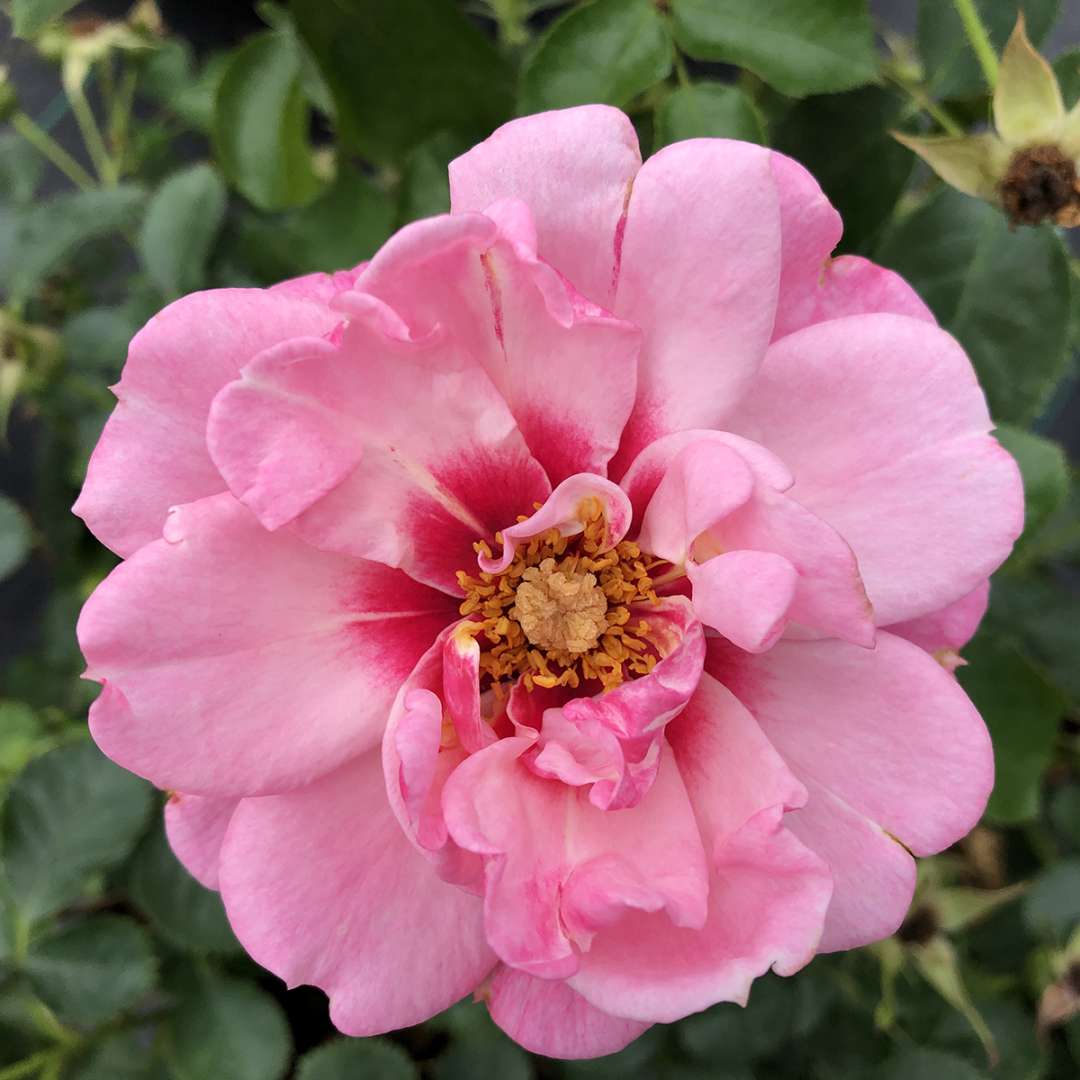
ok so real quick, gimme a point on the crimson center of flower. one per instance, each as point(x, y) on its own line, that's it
point(560, 612)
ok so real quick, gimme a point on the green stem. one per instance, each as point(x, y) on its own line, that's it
point(120, 116)
point(28, 1066)
point(91, 133)
point(680, 70)
point(928, 105)
point(511, 15)
point(979, 39)
point(50, 149)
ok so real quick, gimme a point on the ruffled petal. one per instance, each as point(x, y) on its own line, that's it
point(574, 169)
point(768, 895)
point(547, 1017)
point(558, 868)
point(152, 454)
point(237, 661)
point(815, 287)
point(755, 557)
point(873, 874)
point(321, 886)
point(195, 826)
point(948, 630)
point(887, 731)
point(700, 266)
point(567, 368)
point(379, 446)
point(899, 462)
point(567, 509)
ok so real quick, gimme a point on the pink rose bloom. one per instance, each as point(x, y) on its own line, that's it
point(560, 607)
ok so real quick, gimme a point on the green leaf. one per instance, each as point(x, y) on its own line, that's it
point(478, 1047)
point(124, 1055)
point(261, 124)
point(1052, 905)
point(96, 339)
point(1065, 814)
point(69, 813)
point(798, 47)
point(29, 16)
point(20, 735)
point(726, 1035)
point(93, 970)
point(710, 110)
point(401, 72)
point(918, 1064)
point(1004, 294)
point(1045, 471)
point(425, 182)
point(1022, 711)
point(951, 67)
point(179, 229)
point(606, 51)
point(844, 140)
point(182, 911)
point(21, 167)
point(1067, 70)
point(49, 233)
point(225, 1028)
point(350, 1059)
point(15, 536)
point(1040, 611)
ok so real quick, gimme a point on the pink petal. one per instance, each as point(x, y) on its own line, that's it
point(873, 875)
point(195, 826)
point(897, 460)
point(322, 887)
point(949, 629)
point(237, 661)
point(322, 288)
point(417, 764)
point(565, 509)
point(887, 731)
point(717, 737)
point(813, 286)
point(566, 368)
point(152, 453)
point(549, 1018)
point(702, 485)
point(713, 501)
point(574, 169)
point(557, 868)
point(745, 595)
point(767, 892)
point(637, 711)
point(461, 689)
point(699, 274)
point(643, 477)
point(380, 447)
point(767, 900)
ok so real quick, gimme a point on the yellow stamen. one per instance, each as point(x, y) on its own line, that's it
point(560, 612)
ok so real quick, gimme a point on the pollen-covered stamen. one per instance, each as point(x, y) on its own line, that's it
point(560, 612)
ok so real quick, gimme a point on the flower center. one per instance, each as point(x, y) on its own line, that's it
point(560, 609)
point(560, 612)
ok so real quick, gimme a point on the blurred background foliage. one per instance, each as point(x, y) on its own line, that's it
point(154, 150)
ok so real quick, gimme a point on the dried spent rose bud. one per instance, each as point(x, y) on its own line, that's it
point(1029, 166)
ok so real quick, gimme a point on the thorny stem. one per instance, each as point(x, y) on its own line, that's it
point(979, 39)
point(50, 149)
